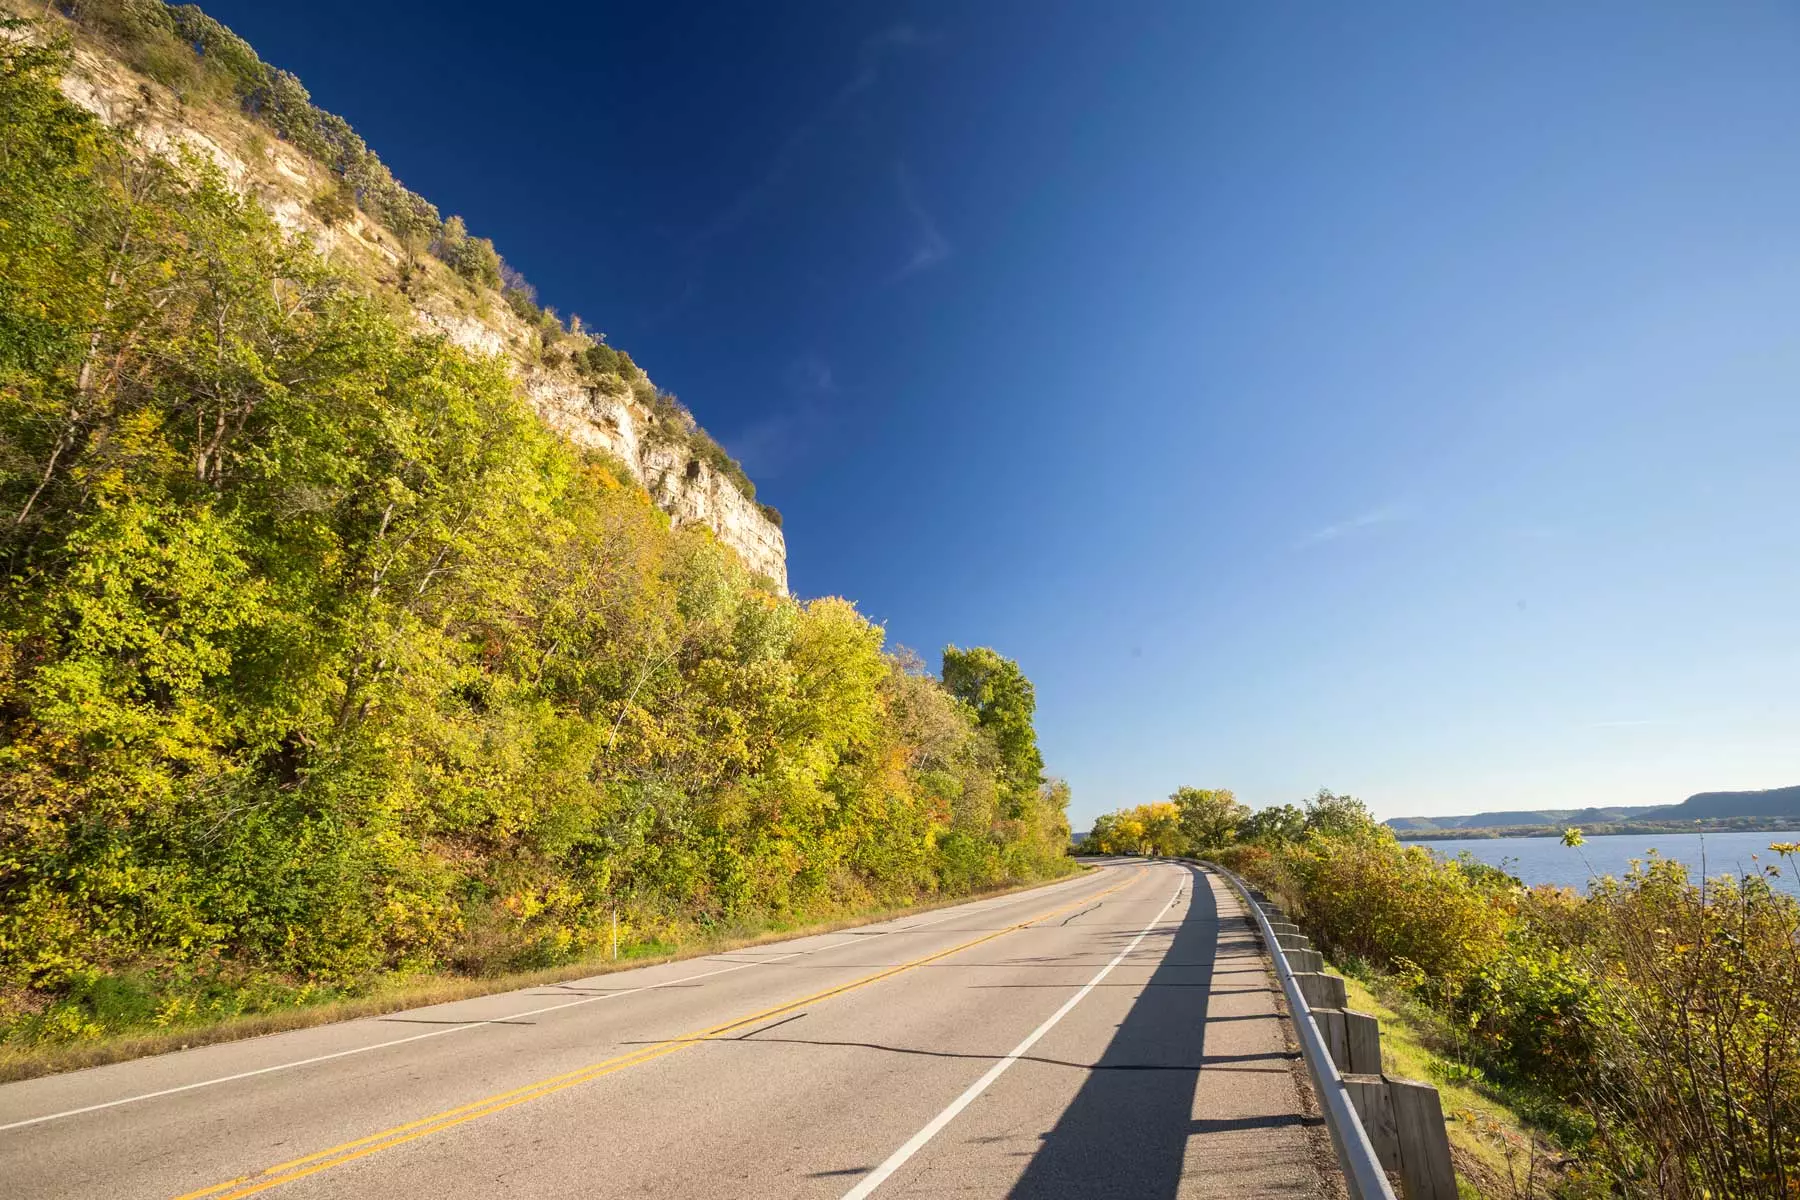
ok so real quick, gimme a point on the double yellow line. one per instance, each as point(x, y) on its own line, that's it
point(399, 1135)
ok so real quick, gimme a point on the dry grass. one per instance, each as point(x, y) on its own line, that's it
point(28, 1062)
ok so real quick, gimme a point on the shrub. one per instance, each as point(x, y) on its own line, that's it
point(335, 204)
point(1395, 907)
point(524, 306)
point(600, 360)
point(1531, 1012)
point(470, 257)
point(479, 263)
point(1695, 1078)
point(1252, 862)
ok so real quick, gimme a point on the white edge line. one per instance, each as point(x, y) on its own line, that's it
point(962, 911)
point(914, 1144)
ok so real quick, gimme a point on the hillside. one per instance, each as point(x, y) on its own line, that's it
point(1772, 802)
point(184, 84)
point(328, 665)
point(1536, 816)
point(1738, 807)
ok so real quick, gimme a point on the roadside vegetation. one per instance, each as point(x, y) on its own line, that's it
point(325, 665)
point(1648, 1032)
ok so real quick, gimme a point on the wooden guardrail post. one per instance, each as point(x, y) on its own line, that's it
point(1305, 960)
point(1354, 1039)
point(1332, 1028)
point(1362, 1037)
point(1375, 1109)
point(1426, 1172)
point(1319, 989)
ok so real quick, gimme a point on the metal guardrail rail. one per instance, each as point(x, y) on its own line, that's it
point(1355, 1153)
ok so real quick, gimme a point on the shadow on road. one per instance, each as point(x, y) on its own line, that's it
point(1126, 1132)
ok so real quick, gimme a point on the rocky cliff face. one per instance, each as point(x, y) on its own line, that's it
point(684, 486)
point(284, 180)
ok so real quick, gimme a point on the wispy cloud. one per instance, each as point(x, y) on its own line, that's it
point(773, 443)
point(872, 60)
point(1387, 514)
point(809, 375)
point(1677, 720)
point(877, 47)
point(929, 245)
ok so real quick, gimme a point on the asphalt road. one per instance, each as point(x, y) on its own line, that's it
point(1111, 1035)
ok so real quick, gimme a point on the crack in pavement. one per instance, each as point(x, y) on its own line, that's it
point(1084, 912)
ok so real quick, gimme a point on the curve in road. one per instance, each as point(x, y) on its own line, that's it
point(1113, 1034)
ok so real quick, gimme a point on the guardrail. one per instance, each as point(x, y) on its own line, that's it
point(1376, 1124)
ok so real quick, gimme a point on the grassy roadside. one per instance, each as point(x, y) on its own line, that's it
point(419, 991)
point(1498, 1156)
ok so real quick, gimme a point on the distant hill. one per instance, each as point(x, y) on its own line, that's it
point(1775, 802)
point(1536, 816)
point(1702, 806)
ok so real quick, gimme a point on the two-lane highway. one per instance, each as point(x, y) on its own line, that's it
point(1110, 1035)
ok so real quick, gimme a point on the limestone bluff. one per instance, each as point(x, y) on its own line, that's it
point(659, 448)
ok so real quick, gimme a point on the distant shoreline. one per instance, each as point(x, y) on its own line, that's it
point(1716, 825)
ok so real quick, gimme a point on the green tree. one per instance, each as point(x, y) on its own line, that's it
point(1004, 703)
point(1209, 816)
point(472, 258)
point(1276, 823)
point(1103, 836)
point(1339, 816)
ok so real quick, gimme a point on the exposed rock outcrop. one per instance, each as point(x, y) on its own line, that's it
point(686, 487)
point(285, 181)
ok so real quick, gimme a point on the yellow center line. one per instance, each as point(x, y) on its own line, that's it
point(398, 1135)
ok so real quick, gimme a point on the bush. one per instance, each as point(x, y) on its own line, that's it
point(335, 205)
point(600, 360)
point(145, 36)
point(1252, 862)
point(1695, 1074)
point(1395, 907)
point(1531, 1012)
point(470, 257)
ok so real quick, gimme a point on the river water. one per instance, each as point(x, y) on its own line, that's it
point(1538, 860)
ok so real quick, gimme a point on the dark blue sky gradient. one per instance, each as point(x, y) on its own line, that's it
point(1395, 398)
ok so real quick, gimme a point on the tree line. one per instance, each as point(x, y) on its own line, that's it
point(1193, 820)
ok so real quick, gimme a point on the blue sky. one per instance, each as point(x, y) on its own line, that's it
point(1394, 398)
